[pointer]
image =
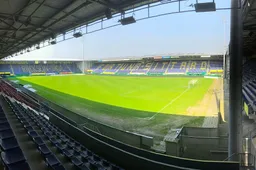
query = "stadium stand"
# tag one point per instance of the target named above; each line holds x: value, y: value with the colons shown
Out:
x: 57, y: 149
x: 11, y: 155
x: 249, y: 87
x: 30, y: 68
x: 159, y: 67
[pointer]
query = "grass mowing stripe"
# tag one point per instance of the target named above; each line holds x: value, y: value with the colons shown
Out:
x: 149, y: 93
x: 168, y: 104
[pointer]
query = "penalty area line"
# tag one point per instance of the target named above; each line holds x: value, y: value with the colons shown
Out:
x: 168, y: 104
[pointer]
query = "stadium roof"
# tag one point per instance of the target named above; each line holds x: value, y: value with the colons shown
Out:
x: 24, y: 23
x: 249, y: 27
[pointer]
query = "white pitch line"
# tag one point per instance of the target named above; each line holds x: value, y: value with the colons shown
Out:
x: 173, y: 100
x: 129, y: 92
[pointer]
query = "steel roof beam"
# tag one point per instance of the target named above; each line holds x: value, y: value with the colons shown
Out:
x: 19, y: 29
x: 107, y: 3
x: 61, y: 18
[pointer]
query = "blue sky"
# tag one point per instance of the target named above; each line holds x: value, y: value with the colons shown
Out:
x: 177, y: 33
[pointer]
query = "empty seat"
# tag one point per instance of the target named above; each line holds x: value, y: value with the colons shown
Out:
x: 3, y: 120
x: 77, y: 162
x: 6, y: 134
x: 12, y: 156
x: 47, y: 134
x: 54, y: 141
x: 9, y: 143
x: 52, y: 161
x: 38, y: 140
x: 18, y: 166
x: 58, y: 167
x: 60, y: 146
x: 68, y: 153
x: 32, y: 133
x: 44, y: 150
x: 4, y: 126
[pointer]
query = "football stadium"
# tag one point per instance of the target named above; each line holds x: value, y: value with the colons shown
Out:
x: 187, y: 96
x: 177, y: 111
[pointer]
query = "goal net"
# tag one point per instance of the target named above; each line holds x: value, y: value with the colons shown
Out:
x: 192, y: 83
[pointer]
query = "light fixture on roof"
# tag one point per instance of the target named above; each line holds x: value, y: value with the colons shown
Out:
x: 21, y: 52
x: 108, y: 13
x: 28, y: 50
x: 205, y: 7
x: 127, y: 21
x: 53, y: 42
x: 38, y: 46
x: 16, y: 54
x: 77, y: 34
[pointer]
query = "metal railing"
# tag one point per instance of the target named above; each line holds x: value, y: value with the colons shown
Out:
x: 245, y: 159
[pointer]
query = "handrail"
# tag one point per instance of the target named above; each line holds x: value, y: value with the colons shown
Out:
x: 242, y: 163
x: 230, y: 156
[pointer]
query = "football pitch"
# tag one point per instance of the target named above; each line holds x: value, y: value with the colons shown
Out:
x: 154, y: 94
x: 143, y: 104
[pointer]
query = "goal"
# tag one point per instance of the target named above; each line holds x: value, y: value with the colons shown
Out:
x: 192, y: 83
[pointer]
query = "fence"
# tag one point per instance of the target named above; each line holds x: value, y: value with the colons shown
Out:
x: 130, y: 157
x: 199, y: 143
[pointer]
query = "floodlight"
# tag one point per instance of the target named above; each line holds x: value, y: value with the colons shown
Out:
x: 53, y: 42
x: 38, y: 46
x: 128, y: 20
x: 108, y: 13
x: 28, y: 50
x: 77, y: 34
x: 205, y: 7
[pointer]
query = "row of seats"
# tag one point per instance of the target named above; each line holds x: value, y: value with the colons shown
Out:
x: 249, y: 85
x: 158, y: 67
x: 21, y: 69
x: 11, y: 155
x: 77, y: 154
x: 14, y: 93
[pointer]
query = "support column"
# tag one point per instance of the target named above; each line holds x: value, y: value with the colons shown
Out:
x: 235, y: 82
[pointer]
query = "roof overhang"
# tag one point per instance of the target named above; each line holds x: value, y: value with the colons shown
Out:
x: 249, y: 27
x: 24, y: 23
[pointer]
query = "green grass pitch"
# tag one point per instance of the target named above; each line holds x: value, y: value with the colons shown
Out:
x: 168, y: 95
x: 145, y: 105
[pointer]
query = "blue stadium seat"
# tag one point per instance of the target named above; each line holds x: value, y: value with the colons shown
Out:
x: 29, y: 128
x: 4, y: 126
x: 3, y: 120
x: 6, y: 134
x: 32, y: 134
x: 9, y: 143
x: 54, y: 141
x: 67, y: 152
x: 2, y: 116
x: 86, y: 153
x: 76, y: 162
x: 60, y: 146
x: 12, y: 156
x: 18, y: 166
x: 52, y: 161
x: 85, y: 167
x: 44, y: 150
x: 47, y: 134
x: 58, y: 167
x: 38, y: 140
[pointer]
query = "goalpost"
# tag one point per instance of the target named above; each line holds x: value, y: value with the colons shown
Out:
x: 192, y: 83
